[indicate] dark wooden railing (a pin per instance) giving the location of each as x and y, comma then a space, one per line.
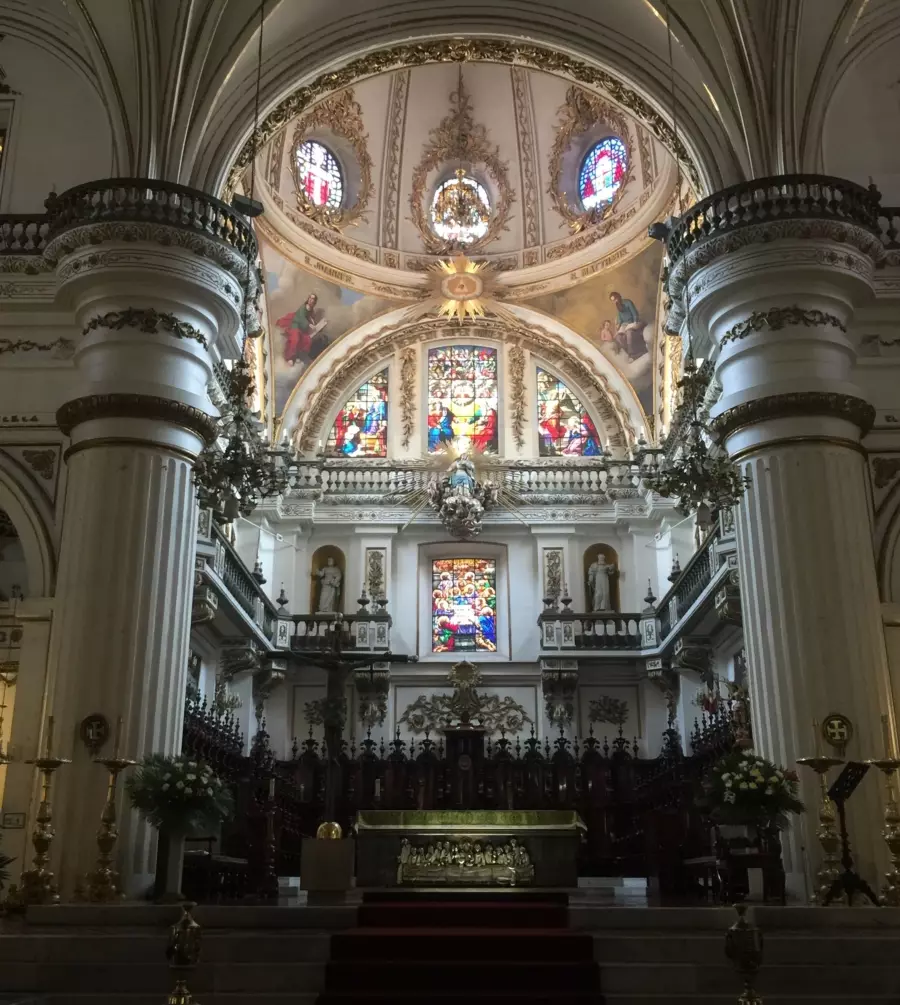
241, 586
140, 200
765, 200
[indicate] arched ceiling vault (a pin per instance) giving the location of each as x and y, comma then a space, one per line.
345, 365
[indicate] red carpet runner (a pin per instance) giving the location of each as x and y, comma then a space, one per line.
419, 949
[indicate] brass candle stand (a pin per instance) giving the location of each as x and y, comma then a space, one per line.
890, 892
103, 881
744, 948
183, 954
38, 886
826, 832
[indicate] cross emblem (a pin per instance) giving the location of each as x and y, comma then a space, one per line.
837, 730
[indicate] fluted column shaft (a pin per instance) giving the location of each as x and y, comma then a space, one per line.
152, 299
777, 301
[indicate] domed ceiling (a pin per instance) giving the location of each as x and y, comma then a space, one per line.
521, 137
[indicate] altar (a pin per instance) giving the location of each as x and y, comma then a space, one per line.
467, 848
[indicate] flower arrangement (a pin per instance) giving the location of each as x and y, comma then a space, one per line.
178, 793
746, 788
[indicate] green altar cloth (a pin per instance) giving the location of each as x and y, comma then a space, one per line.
484, 848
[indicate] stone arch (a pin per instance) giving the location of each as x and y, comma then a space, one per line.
234, 142
320, 389
32, 525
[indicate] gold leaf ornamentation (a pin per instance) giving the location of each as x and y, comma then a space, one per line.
517, 393
408, 372
579, 114
342, 115
459, 139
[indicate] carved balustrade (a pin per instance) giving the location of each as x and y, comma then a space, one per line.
23, 233
567, 630
889, 227
548, 480
366, 630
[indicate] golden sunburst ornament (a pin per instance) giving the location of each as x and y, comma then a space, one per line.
460, 289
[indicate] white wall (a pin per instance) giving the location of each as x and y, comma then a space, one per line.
59, 136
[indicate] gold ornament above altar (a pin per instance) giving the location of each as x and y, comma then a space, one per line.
460, 288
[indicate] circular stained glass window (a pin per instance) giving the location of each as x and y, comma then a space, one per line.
602, 172
319, 175
461, 209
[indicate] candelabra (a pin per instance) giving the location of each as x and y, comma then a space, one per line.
826, 832
38, 886
103, 882
744, 948
890, 892
183, 954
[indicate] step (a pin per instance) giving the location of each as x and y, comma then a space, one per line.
714, 978
561, 996
517, 896
459, 977
237, 917
393, 944
430, 914
157, 978
209, 998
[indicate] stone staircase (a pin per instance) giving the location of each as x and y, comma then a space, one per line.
277, 956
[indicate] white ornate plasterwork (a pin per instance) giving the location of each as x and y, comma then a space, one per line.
459, 139
393, 157
528, 158
409, 360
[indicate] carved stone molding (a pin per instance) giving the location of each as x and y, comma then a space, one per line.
580, 114
885, 470
266, 679
517, 398
136, 406
90, 235
554, 573
341, 114
376, 572
408, 373
523, 107
728, 600
60, 347
332, 238
540, 342
204, 604
794, 403
693, 654
776, 318
146, 320
41, 462
393, 157
239, 656
458, 138
520, 53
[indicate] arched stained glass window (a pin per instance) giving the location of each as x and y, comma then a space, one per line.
463, 605
462, 399
461, 209
360, 429
564, 426
319, 175
602, 172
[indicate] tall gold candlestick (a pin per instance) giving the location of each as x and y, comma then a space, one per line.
103, 883
826, 832
890, 892
38, 886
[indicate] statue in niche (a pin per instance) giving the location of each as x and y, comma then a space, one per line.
599, 575
329, 588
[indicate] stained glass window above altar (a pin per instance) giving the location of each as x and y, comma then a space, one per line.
464, 605
564, 426
360, 427
602, 172
462, 399
319, 175
461, 209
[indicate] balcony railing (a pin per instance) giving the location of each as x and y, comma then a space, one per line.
140, 200
23, 234
366, 631
569, 630
765, 200
541, 481
889, 227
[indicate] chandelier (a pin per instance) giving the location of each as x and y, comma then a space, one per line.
238, 469
696, 472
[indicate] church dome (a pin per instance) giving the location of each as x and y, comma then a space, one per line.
514, 165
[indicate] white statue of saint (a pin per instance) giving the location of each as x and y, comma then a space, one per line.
599, 575
330, 587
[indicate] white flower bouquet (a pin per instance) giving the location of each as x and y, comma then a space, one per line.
178, 793
744, 787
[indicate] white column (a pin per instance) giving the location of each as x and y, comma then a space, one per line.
140, 418
777, 306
